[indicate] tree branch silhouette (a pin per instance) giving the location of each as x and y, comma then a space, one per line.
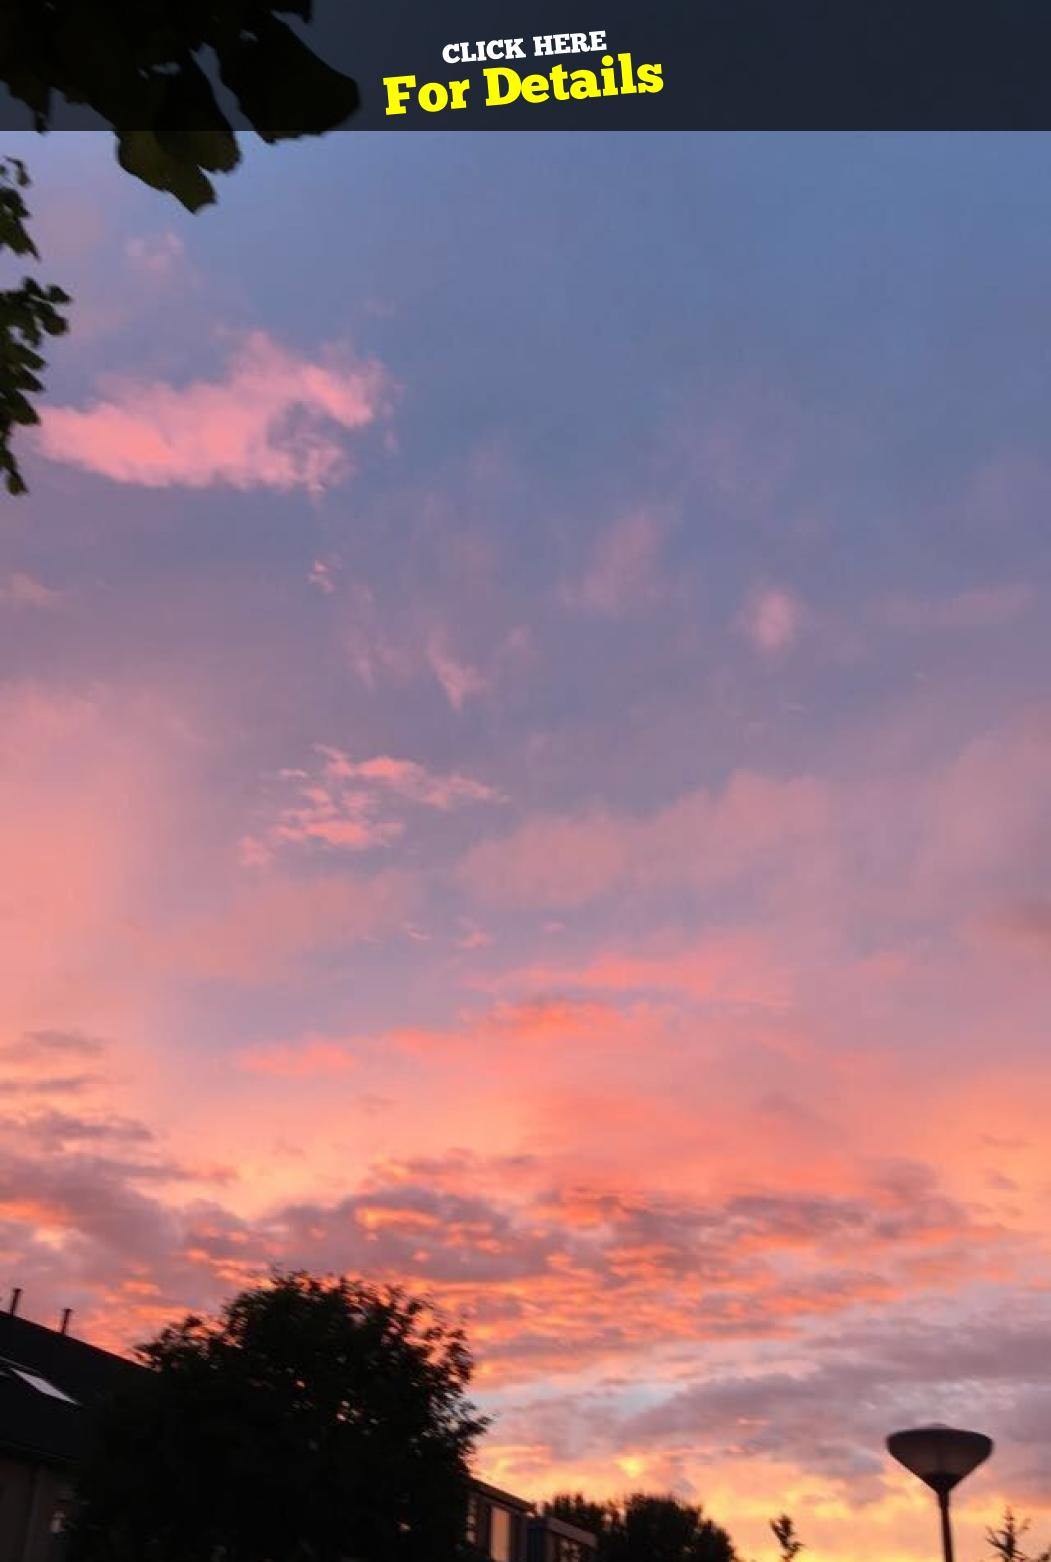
138, 66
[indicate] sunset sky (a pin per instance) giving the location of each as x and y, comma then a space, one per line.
526, 770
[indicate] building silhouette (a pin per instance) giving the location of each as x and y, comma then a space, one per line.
52, 1387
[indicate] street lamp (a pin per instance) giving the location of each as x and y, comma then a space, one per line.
941, 1456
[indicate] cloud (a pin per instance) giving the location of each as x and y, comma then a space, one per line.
622, 571
413, 652
966, 845
459, 681
322, 573
272, 421
156, 255
551, 861
22, 590
262, 932
346, 804
864, 1380
725, 968
59, 1129
545, 1020
984, 607
772, 620
37, 1065
405, 778
302, 1060
44, 1045
57, 1085
703, 838
554, 1277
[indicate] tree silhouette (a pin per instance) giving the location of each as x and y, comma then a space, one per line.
663, 1529
785, 1534
647, 1528
140, 67
1006, 1542
577, 1509
312, 1420
27, 314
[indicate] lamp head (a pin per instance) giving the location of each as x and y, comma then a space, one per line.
940, 1455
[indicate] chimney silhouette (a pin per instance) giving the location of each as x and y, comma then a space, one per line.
16, 1297
67, 1313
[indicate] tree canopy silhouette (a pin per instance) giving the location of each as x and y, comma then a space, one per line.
647, 1528
311, 1420
140, 66
577, 1509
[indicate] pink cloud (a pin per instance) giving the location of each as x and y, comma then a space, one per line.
701, 838
622, 570
266, 930
272, 421
23, 590
459, 681
345, 804
322, 573
470, 935
410, 780
317, 1056
987, 812
772, 619
551, 861
724, 968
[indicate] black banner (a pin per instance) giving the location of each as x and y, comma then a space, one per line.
706, 65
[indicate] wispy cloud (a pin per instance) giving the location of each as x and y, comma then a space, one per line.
43, 1045
622, 570
458, 679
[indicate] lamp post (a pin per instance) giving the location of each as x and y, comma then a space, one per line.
941, 1456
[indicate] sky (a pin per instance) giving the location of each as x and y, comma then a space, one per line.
526, 758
